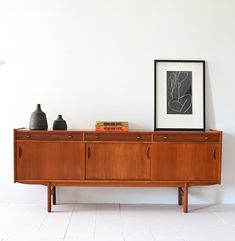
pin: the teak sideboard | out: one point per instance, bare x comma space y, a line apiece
118, 159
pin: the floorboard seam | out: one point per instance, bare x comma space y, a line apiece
70, 218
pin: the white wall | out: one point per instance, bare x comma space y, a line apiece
93, 60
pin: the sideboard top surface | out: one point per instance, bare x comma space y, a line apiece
114, 132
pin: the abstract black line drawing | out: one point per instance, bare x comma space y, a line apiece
179, 92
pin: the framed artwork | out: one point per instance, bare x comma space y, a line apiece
179, 95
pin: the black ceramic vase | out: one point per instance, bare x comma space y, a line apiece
38, 120
59, 124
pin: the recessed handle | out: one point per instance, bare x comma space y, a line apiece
214, 154
206, 137
28, 136
20, 152
88, 152
97, 137
70, 136
148, 150
138, 137
165, 137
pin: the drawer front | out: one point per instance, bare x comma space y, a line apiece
117, 137
201, 137
70, 136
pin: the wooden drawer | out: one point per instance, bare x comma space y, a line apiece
117, 137
201, 137
70, 136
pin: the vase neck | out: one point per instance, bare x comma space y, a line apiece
38, 106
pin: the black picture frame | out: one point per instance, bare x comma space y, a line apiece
184, 107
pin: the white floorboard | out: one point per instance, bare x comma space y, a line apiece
114, 222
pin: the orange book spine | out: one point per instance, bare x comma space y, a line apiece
112, 128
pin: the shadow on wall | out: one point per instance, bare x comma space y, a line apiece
210, 113
221, 193
228, 166
224, 193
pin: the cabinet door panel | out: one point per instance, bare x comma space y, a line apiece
185, 161
118, 161
50, 160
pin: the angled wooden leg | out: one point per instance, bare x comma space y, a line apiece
49, 197
54, 195
186, 197
180, 196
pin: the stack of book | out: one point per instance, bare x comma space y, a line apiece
111, 126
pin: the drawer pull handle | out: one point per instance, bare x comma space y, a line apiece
20, 152
165, 137
97, 137
28, 136
70, 136
138, 137
206, 137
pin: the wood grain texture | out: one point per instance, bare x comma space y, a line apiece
50, 160
50, 155
186, 136
49, 197
116, 183
185, 161
186, 198
117, 136
48, 135
118, 161
180, 195
15, 155
123, 159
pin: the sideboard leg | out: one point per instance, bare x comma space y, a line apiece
180, 195
49, 197
186, 197
54, 195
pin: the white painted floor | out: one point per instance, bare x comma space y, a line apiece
113, 222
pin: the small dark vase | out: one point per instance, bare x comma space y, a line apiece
38, 120
59, 124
